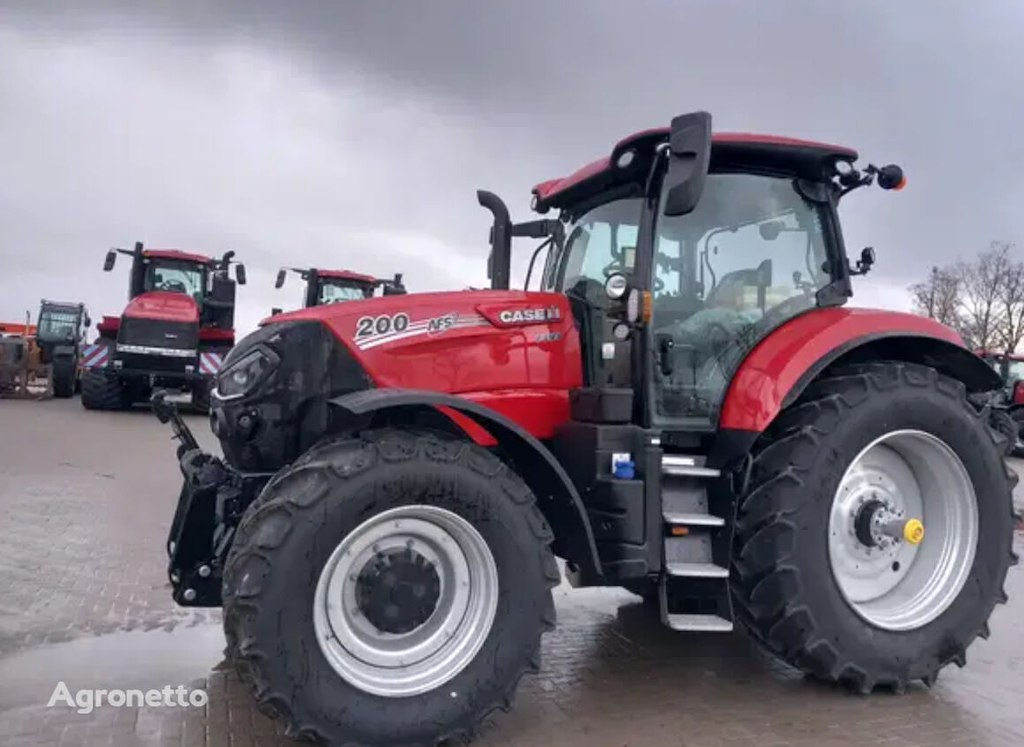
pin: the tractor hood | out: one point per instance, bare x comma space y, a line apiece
163, 306
457, 342
515, 352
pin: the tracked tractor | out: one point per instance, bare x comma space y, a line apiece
174, 333
60, 334
334, 286
684, 408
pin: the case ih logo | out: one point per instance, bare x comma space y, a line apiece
530, 316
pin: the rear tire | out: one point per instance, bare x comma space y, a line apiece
788, 589
63, 372
102, 389
323, 502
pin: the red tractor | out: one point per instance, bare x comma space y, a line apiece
332, 286
1007, 408
685, 409
174, 333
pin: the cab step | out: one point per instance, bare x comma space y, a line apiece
696, 570
699, 623
693, 589
682, 518
686, 466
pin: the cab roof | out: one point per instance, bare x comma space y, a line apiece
804, 158
176, 254
347, 275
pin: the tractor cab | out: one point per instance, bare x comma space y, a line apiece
60, 324
683, 249
335, 286
174, 332
203, 279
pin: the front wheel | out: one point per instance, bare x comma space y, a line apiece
875, 532
63, 374
389, 589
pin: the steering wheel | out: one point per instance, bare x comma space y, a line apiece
174, 286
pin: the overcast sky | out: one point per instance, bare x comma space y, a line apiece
353, 134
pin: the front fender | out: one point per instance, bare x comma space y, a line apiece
558, 498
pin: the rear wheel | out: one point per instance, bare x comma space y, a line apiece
832, 571
102, 389
389, 589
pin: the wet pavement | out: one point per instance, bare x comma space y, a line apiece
85, 501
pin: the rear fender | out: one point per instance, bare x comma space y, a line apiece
558, 498
783, 364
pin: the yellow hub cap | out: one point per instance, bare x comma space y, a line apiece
913, 531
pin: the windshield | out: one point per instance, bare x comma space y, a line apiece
335, 291
598, 243
57, 324
176, 277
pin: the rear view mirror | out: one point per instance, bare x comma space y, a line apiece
109, 260
281, 274
275, 311
88, 321
240, 273
689, 158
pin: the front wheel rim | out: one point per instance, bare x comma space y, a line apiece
895, 585
406, 600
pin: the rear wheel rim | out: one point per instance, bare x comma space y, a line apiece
406, 601
903, 475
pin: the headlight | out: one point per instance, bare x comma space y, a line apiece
242, 376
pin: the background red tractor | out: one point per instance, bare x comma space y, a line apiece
332, 286
1008, 404
174, 333
685, 408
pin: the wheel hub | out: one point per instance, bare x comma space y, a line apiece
406, 600
882, 566
398, 590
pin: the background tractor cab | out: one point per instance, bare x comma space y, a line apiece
175, 331
1007, 405
60, 333
334, 286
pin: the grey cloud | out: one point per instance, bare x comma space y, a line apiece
293, 129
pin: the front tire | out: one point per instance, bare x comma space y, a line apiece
834, 604
315, 621
63, 372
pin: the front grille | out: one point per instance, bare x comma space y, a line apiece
154, 364
157, 333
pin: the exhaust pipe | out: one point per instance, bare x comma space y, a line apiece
499, 263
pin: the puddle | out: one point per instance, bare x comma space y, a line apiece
127, 659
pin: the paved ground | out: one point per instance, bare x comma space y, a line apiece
85, 500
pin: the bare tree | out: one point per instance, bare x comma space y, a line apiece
982, 299
1011, 300
982, 284
937, 297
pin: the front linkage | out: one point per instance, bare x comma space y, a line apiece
210, 505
